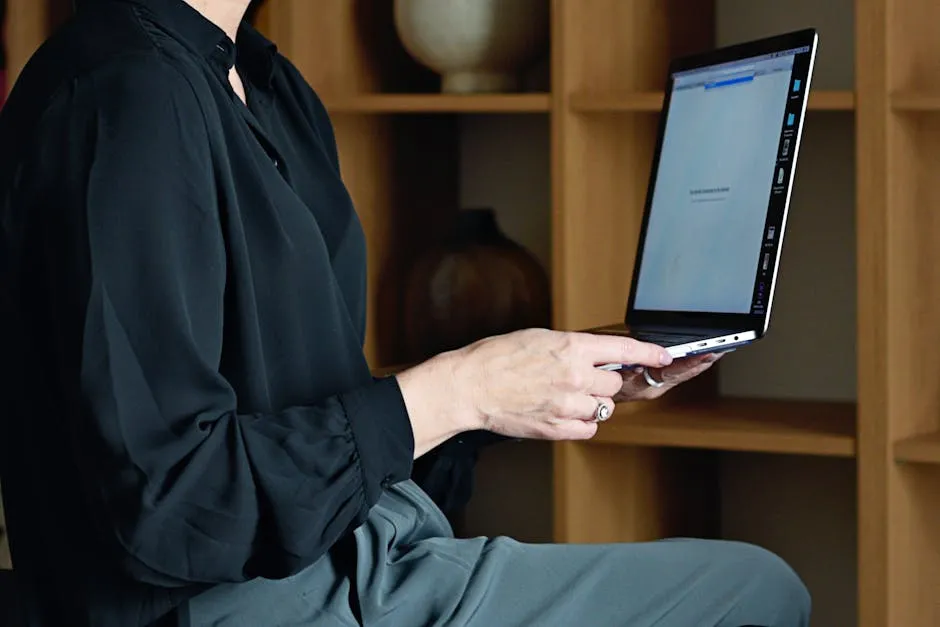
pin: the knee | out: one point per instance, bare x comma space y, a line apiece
770, 583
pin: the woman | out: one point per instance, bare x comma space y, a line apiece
194, 436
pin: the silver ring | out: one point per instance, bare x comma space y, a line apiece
653, 383
602, 412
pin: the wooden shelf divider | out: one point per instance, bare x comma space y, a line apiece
651, 101
755, 425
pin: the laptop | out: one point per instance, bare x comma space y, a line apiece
716, 208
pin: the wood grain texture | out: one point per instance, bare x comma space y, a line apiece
871, 110
600, 171
28, 23
616, 493
922, 449
25, 29
912, 306
913, 100
913, 370
756, 425
345, 47
898, 63
914, 546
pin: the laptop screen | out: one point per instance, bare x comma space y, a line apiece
719, 196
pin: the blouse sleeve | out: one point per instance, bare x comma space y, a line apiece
191, 489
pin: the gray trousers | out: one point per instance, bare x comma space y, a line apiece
412, 572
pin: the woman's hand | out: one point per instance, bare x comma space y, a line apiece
529, 384
636, 388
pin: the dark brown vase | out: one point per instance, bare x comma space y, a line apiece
479, 283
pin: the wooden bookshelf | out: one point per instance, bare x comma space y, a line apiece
651, 101
898, 150
650, 473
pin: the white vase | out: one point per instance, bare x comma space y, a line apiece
476, 46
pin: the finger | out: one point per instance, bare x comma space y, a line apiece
671, 379
691, 367
604, 383
685, 369
707, 358
571, 430
580, 406
605, 414
605, 349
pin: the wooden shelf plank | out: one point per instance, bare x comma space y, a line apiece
652, 102
613, 103
915, 101
768, 426
923, 449
440, 103
834, 100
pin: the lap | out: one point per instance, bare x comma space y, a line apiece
410, 571
672, 583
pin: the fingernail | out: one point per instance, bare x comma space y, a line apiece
639, 369
665, 359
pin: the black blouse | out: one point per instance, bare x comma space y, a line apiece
186, 400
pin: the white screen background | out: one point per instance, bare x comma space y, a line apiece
701, 250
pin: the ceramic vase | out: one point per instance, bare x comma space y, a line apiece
476, 284
477, 46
